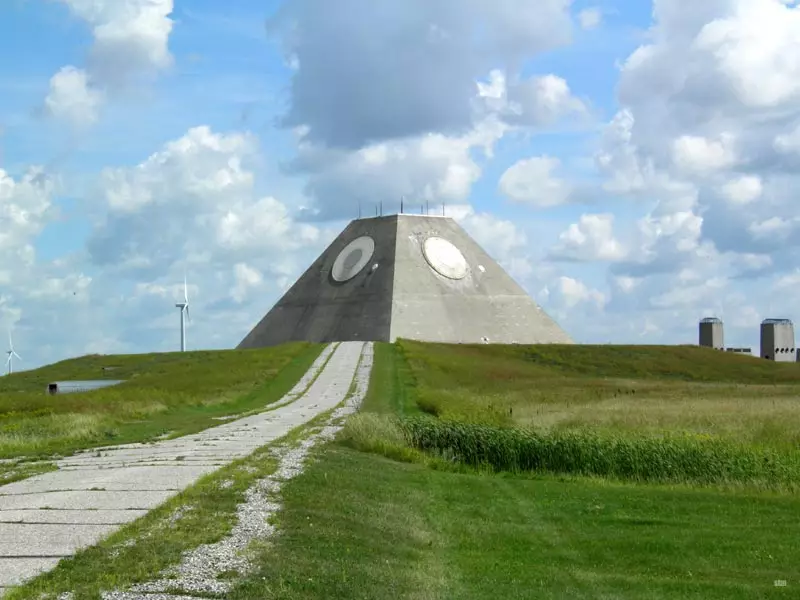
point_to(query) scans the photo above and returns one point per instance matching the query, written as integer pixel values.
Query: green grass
(168, 394)
(641, 390)
(436, 524)
(438, 521)
(487, 425)
(357, 526)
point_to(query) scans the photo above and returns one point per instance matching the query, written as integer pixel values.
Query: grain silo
(711, 334)
(777, 340)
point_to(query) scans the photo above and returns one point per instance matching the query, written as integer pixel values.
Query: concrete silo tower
(777, 340)
(711, 334)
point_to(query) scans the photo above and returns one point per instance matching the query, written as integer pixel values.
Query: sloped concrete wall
(319, 309)
(486, 305)
(398, 295)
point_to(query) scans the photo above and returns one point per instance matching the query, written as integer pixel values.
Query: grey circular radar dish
(444, 258)
(353, 258)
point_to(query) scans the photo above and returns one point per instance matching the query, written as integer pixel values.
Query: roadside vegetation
(668, 414)
(448, 485)
(164, 395)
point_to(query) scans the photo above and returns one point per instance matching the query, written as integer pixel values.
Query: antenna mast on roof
(401, 204)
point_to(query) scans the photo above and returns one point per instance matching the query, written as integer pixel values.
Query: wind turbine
(11, 354)
(184, 306)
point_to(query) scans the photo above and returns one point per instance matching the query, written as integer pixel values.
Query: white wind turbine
(11, 354)
(184, 306)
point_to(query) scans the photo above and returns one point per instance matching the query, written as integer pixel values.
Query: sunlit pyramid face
(445, 258)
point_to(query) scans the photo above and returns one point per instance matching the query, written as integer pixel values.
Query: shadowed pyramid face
(352, 259)
(405, 276)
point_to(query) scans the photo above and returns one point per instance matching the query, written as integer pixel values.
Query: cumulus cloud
(590, 239)
(193, 202)
(706, 133)
(130, 40)
(71, 98)
(569, 293)
(432, 168)
(533, 181)
(402, 68)
(25, 208)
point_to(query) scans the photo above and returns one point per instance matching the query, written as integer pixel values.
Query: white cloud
(574, 292)
(25, 206)
(130, 40)
(356, 83)
(533, 181)
(743, 189)
(70, 97)
(590, 18)
(194, 201)
(699, 154)
(433, 168)
(246, 278)
(590, 239)
(788, 143)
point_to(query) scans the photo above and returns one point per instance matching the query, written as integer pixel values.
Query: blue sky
(668, 200)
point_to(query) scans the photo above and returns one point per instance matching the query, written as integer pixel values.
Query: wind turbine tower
(184, 306)
(11, 354)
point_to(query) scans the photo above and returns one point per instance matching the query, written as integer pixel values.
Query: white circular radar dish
(445, 258)
(353, 258)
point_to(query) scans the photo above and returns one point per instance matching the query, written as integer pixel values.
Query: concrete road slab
(86, 500)
(49, 540)
(144, 478)
(74, 517)
(60, 512)
(14, 571)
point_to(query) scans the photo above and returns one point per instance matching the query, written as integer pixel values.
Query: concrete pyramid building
(405, 276)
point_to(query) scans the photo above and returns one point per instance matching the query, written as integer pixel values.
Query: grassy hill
(163, 394)
(468, 518)
(635, 389)
(359, 523)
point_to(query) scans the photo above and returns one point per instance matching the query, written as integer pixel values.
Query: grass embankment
(358, 525)
(654, 413)
(167, 394)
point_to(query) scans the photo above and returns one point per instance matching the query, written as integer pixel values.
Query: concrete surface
(53, 515)
(399, 295)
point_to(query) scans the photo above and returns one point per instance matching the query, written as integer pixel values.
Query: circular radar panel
(445, 258)
(353, 258)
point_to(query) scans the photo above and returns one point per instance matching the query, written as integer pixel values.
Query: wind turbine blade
(10, 341)
(185, 290)
(17, 355)
(188, 318)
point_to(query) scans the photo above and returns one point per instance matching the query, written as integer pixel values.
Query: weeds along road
(53, 515)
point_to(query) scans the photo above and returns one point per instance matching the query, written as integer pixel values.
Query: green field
(518, 472)
(361, 525)
(166, 394)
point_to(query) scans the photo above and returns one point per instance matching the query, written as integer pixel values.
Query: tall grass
(675, 457)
